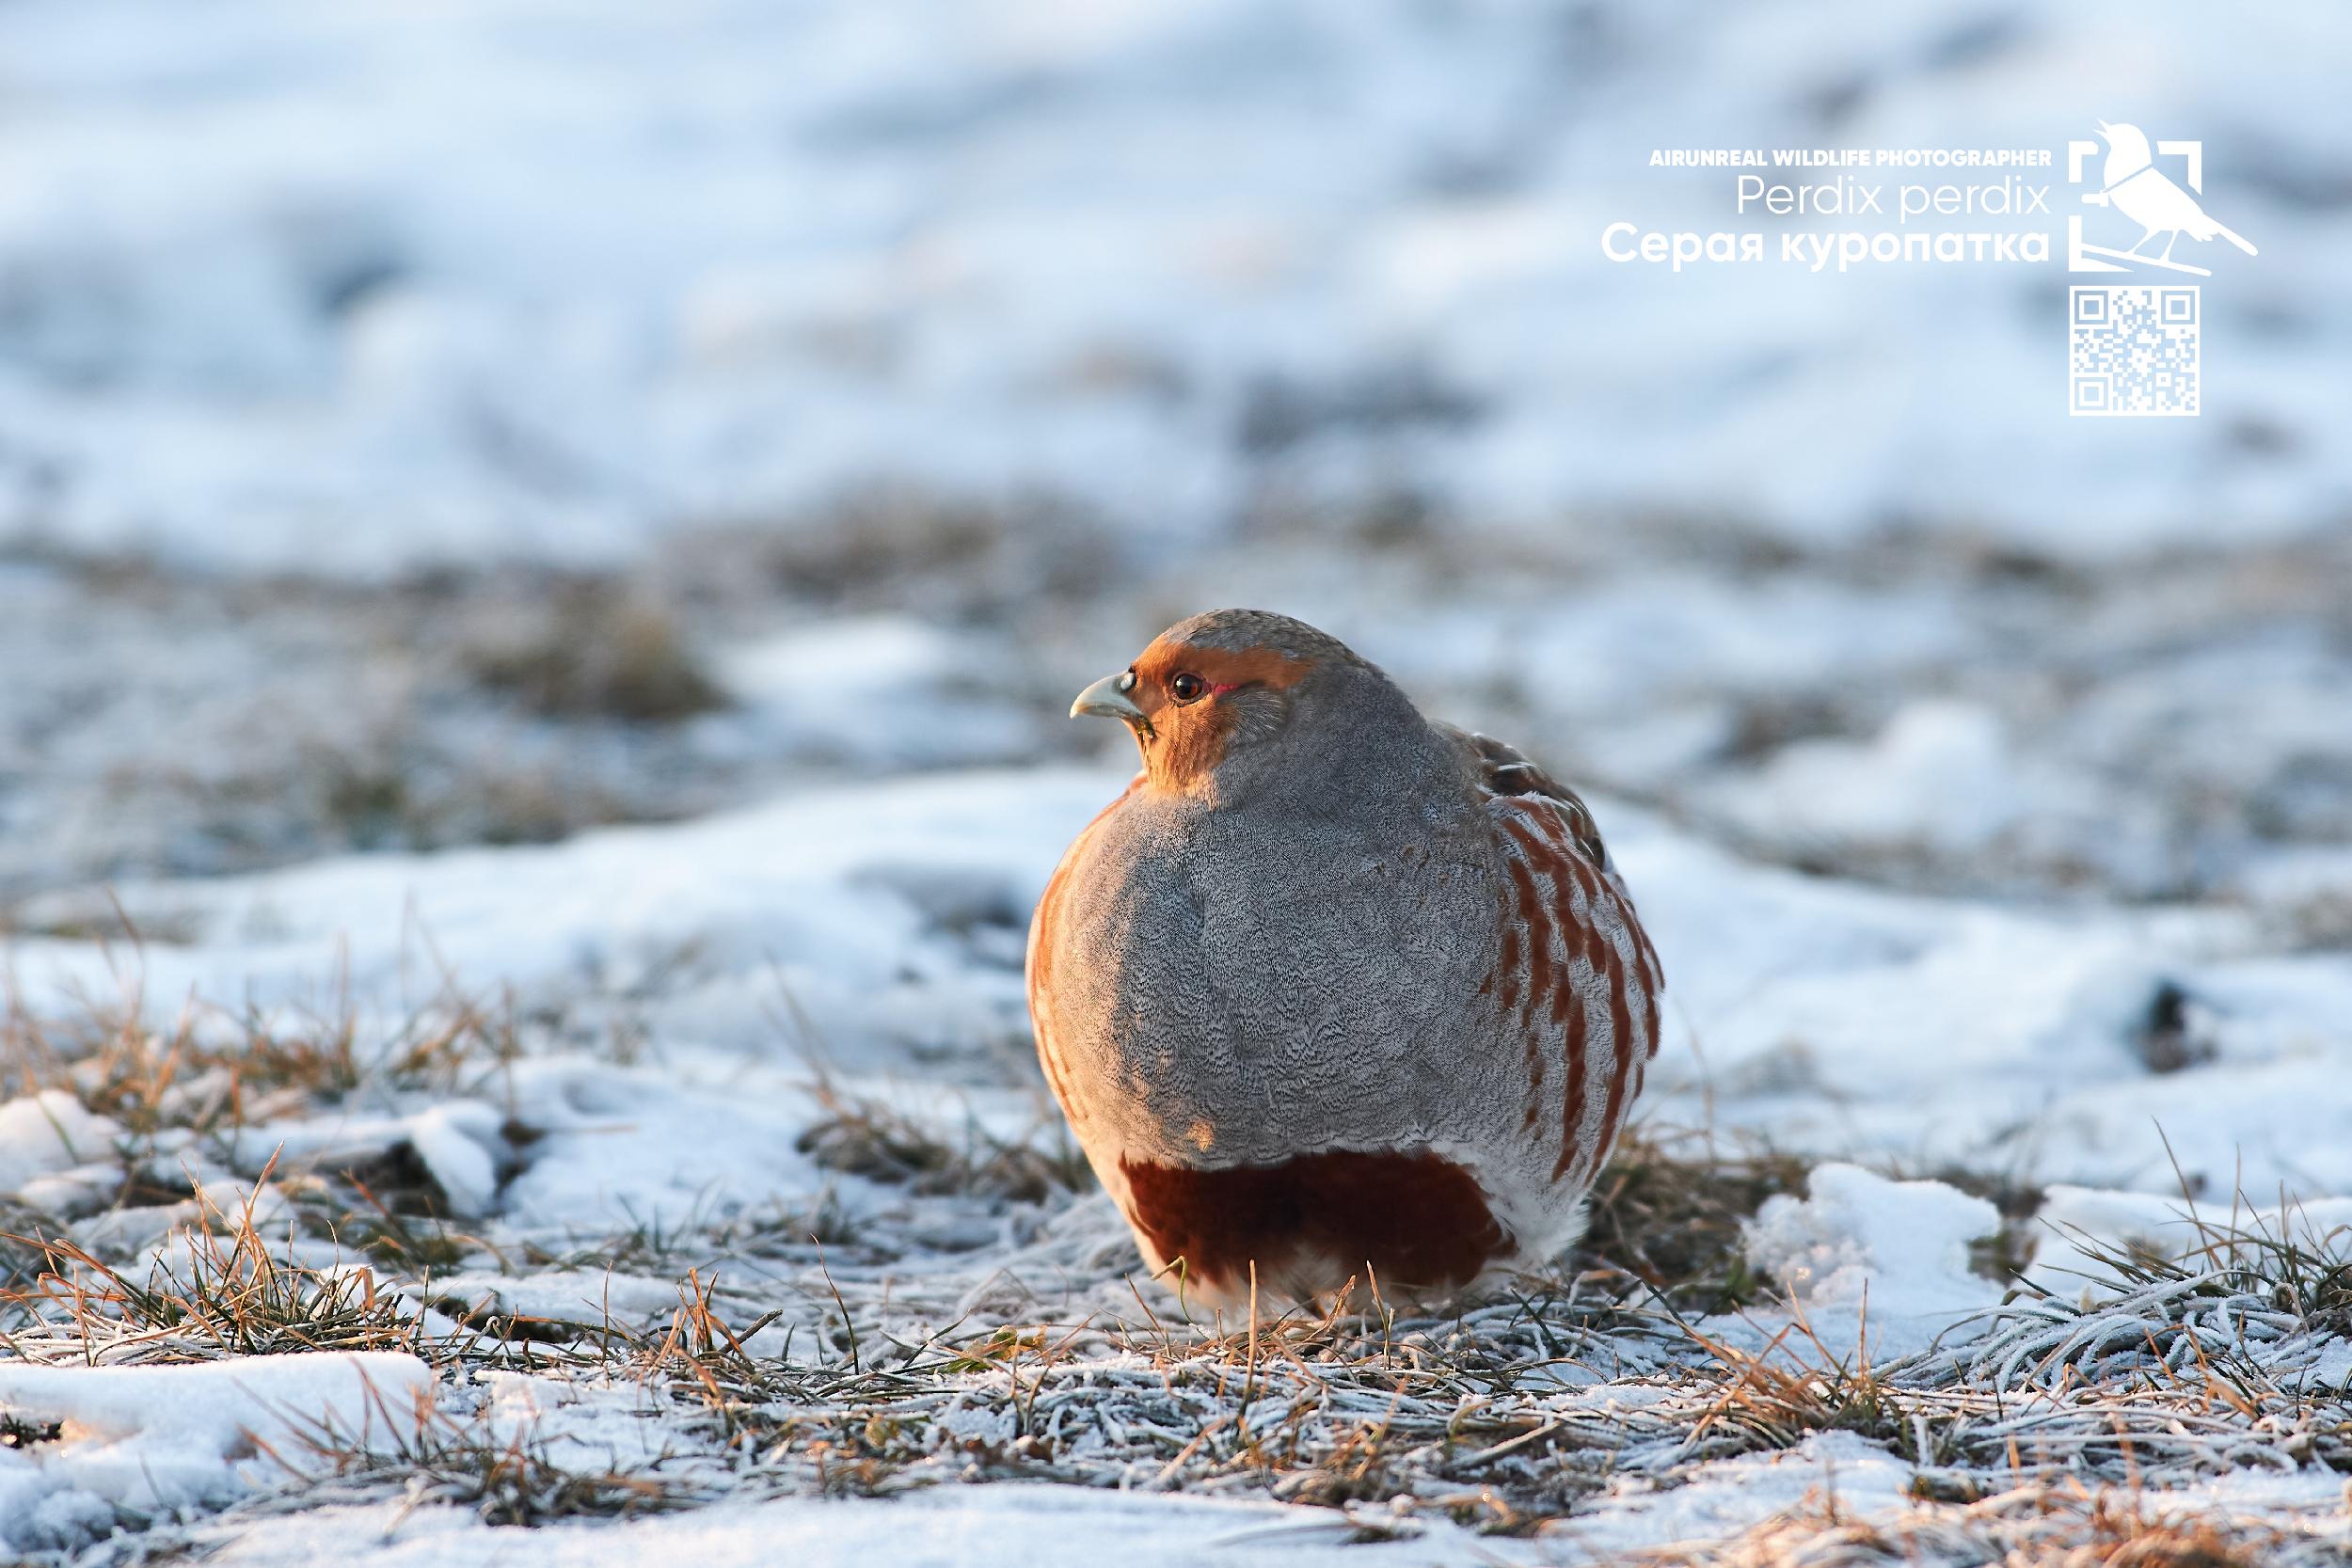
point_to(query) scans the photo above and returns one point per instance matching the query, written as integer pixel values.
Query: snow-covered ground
(542, 555)
(361, 284)
(643, 1085)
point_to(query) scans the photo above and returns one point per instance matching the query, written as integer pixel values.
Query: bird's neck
(1367, 768)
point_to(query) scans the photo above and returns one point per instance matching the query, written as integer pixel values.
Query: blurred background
(429, 424)
(545, 546)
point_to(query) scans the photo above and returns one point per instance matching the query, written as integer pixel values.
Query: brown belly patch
(1418, 1220)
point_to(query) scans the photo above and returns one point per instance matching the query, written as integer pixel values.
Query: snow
(155, 1437)
(861, 924)
(1873, 1266)
(1033, 1524)
(868, 933)
(841, 898)
(49, 1134)
(1842, 1022)
(1722, 1499)
(878, 688)
(635, 1143)
(1938, 771)
(1012, 1523)
(455, 1141)
(366, 288)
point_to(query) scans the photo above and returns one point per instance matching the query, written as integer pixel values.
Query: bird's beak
(2105, 128)
(1108, 699)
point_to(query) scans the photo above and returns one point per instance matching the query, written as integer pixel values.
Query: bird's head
(1211, 697)
(2126, 142)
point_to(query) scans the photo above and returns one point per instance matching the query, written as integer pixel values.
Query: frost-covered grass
(707, 1363)
(696, 1235)
(701, 1170)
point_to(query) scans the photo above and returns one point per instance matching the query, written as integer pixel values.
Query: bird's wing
(1577, 976)
(1504, 772)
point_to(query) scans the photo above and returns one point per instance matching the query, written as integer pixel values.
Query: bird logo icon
(2133, 185)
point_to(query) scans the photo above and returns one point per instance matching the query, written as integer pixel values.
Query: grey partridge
(1333, 993)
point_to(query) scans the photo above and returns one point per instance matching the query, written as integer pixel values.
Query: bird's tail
(2236, 238)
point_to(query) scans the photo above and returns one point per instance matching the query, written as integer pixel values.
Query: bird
(2146, 195)
(1336, 998)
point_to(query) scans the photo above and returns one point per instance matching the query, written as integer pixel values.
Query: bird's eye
(1188, 688)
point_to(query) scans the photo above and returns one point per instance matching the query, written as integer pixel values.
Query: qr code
(2132, 350)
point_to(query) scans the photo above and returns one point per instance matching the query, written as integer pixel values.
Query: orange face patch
(1191, 735)
(1225, 669)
